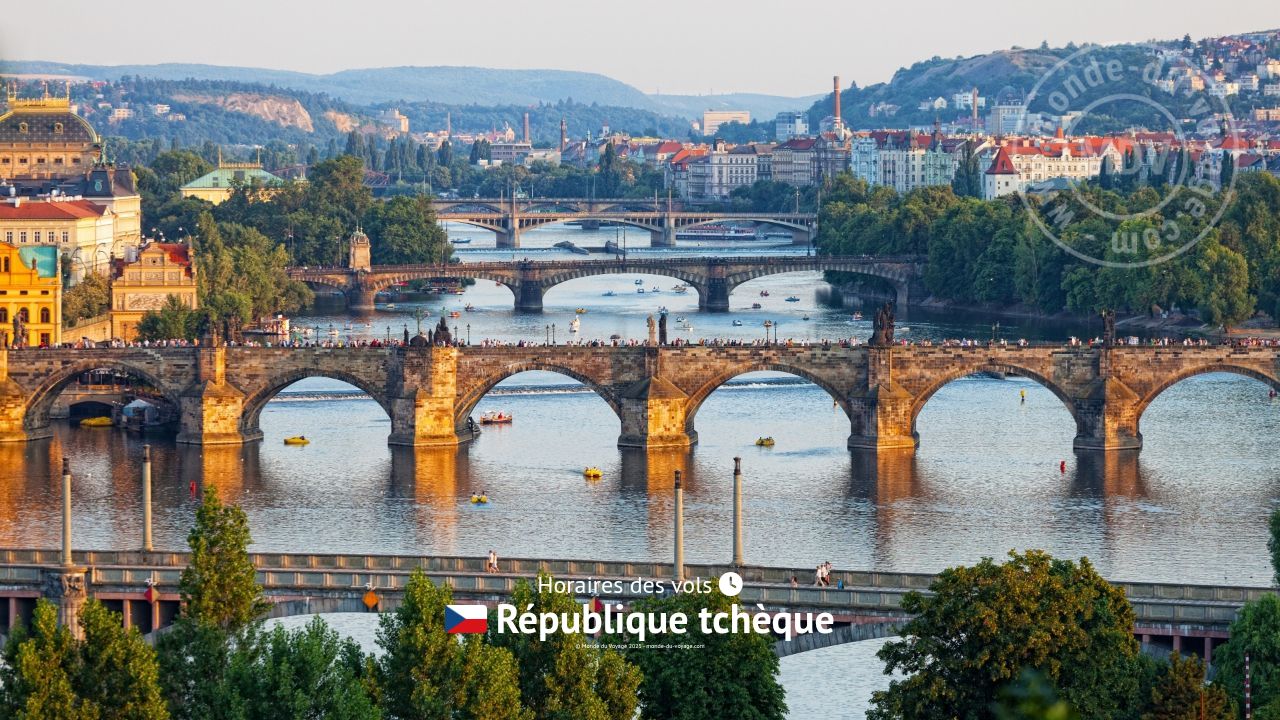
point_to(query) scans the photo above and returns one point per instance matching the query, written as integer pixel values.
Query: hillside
(761, 107)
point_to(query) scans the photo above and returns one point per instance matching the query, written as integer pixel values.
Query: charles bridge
(714, 278)
(509, 217)
(430, 392)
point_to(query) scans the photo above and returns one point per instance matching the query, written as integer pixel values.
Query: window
(8, 236)
(22, 127)
(4, 265)
(44, 339)
(57, 128)
(22, 236)
(37, 238)
(45, 316)
(66, 237)
(4, 314)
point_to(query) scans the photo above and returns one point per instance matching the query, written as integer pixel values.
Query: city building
(509, 153)
(1009, 115)
(30, 296)
(713, 119)
(790, 124)
(145, 280)
(394, 120)
(41, 139)
(218, 185)
(80, 229)
(793, 162)
(1001, 178)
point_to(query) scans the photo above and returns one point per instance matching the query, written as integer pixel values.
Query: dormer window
(57, 128)
(22, 128)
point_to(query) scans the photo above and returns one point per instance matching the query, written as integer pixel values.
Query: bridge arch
(256, 400)
(472, 396)
(699, 396)
(41, 400)
(1205, 369)
(922, 397)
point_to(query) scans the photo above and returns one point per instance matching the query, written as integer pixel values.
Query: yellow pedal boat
(297, 440)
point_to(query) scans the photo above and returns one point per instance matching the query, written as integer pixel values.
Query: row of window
(39, 161)
(23, 292)
(25, 128)
(45, 315)
(49, 236)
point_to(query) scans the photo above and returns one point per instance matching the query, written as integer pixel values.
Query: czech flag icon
(466, 619)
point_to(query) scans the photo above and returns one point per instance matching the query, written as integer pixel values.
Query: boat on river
(566, 245)
(574, 325)
(297, 440)
(96, 422)
(496, 417)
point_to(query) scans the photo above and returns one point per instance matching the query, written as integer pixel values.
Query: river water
(1191, 508)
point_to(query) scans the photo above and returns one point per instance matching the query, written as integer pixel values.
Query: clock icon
(731, 584)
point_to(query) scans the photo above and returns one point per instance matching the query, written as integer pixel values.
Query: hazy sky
(684, 46)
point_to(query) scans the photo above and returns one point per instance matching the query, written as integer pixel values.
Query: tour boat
(496, 417)
(592, 473)
(297, 440)
(737, 323)
(715, 231)
(765, 441)
(574, 325)
(793, 298)
(96, 422)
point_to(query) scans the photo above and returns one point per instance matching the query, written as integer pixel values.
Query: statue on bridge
(1108, 328)
(442, 335)
(20, 329)
(653, 331)
(882, 326)
(662, 330)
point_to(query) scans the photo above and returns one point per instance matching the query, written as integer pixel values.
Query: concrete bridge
(508, 218)
(713, 278)
(865, 604)
(429, 392)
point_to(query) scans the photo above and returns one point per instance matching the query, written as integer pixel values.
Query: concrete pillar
(881, 417)
(801, 237)
(714, 297)
(1177, 643)
(422, 408)
(509, 236)
(359, 298)
(65, 585)
(13, 404)
(653, 415)
(146, 500)
(66, 512)
(738, 552)
(677, 568)
(210, 410)
(666, 237)
(529, 297)
(1208, 651)
(1107, 417)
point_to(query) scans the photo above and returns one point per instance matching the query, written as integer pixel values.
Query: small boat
(806, 317)
(857, 316)
(460, 241)
(765, 441)
(592, 473)
(755, 306)
(682, 289)
(479, 499)
(639, 291)
(904, 328)
(496, 417)
(297, 440)
(470, 308)
(654, 289)
(662, 309)
(737, 323)
(687, 326)
(764, 293)
(639, 281)
(574, 325)
(581, 311)
(793, 298)
(609, 293)
(96, 422)
(391, 306)
(454, 314)
(680, 318)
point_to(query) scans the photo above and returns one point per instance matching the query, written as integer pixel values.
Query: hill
(761, 107)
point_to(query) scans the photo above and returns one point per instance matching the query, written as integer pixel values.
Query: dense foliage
(1256, 632)
(88, 298)
(981, 251)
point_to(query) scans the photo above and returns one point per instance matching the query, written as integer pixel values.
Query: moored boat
(496, 417)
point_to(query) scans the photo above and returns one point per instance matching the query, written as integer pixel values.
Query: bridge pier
(882, 419)
(422, 413)
(210, 411)
(509, 237)
(1107, 417)
(359, 298)
(714, 296)
(13, 404)
(529, 297)
(664, 237)
(653, 416)
(802, 237)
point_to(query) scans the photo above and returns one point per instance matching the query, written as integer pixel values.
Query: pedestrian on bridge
(492, 565)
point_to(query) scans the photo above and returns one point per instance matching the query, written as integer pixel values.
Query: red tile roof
(1001, 164)
(49, 210)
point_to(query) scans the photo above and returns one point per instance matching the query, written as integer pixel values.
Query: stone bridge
(713, 278)
(656, 392)
(507, 218)
(864, 604)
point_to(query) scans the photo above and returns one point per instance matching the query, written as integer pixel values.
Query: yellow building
(218, 185)
(81, 229)
(145, 283)
(30, 296)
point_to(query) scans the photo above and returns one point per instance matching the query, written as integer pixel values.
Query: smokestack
(448, 124)
(835, 82)
(526, 127)
(564, 135)
(974, 100)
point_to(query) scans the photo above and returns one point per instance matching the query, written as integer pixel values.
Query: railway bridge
(713, 278)
(429, 392)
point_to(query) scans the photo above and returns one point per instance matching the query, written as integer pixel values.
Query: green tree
(1273, 542)
(1180, 693)
(118, 670)
(404, 230)
(1255, 631)
(173, 321)
(967, 181)
(1225, 299)
(219, 586)
(37, 675)
(426, 674)
(987, 623)
(1031, 697)
(718, 676)
(87, 299)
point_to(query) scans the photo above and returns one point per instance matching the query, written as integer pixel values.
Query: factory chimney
(526, 127)
(835, 82)
(563, 135)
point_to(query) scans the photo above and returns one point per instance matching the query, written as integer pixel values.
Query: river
(1191, 508)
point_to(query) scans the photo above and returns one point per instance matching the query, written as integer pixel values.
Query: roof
(179, 253)
(798, 144)
(226, 177)
(50, 210)
(1001, 164)
(49, 121)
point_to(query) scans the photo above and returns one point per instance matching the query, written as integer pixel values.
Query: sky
(669, 46)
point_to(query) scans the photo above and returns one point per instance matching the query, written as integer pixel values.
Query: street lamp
(468, 333)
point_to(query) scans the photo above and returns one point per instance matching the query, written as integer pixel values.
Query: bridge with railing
(713, 278)
(864, 604)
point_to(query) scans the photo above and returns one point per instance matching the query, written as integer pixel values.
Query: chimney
(526, 127)
(835, 83)
(563, 135)
(448, 124)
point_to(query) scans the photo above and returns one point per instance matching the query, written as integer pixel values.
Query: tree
(1254, 631)
(109, 675)
(426, 674)
(173, 321)
(1031, 697)
(219, 586)
(732, 675)
(87, 299)
(404, 230)
(968, 178)
(1273, 543)
(1225, 299)
(1180, 693)
(1228, 171)
(984, 625)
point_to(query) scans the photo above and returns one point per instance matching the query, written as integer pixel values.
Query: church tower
(359, 258)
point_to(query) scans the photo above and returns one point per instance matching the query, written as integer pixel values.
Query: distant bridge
(714, 278)
(868, 605)
(508, 218)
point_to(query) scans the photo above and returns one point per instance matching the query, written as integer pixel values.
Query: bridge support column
(665, 237)
(1107, 417)
(653, 416)
(359, 298)
(422, 412)
(509, 237)
(64, 586)
(529, 297)
(801, 237)
(210, 411)
(13, 404)
(714, 296)
(881, 419)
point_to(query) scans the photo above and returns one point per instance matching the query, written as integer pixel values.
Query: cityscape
(412, 380)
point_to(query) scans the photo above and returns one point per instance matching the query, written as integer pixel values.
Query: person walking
(492, 566)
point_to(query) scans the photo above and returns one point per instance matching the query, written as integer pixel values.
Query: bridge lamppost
(553, 333)
(468, 333)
